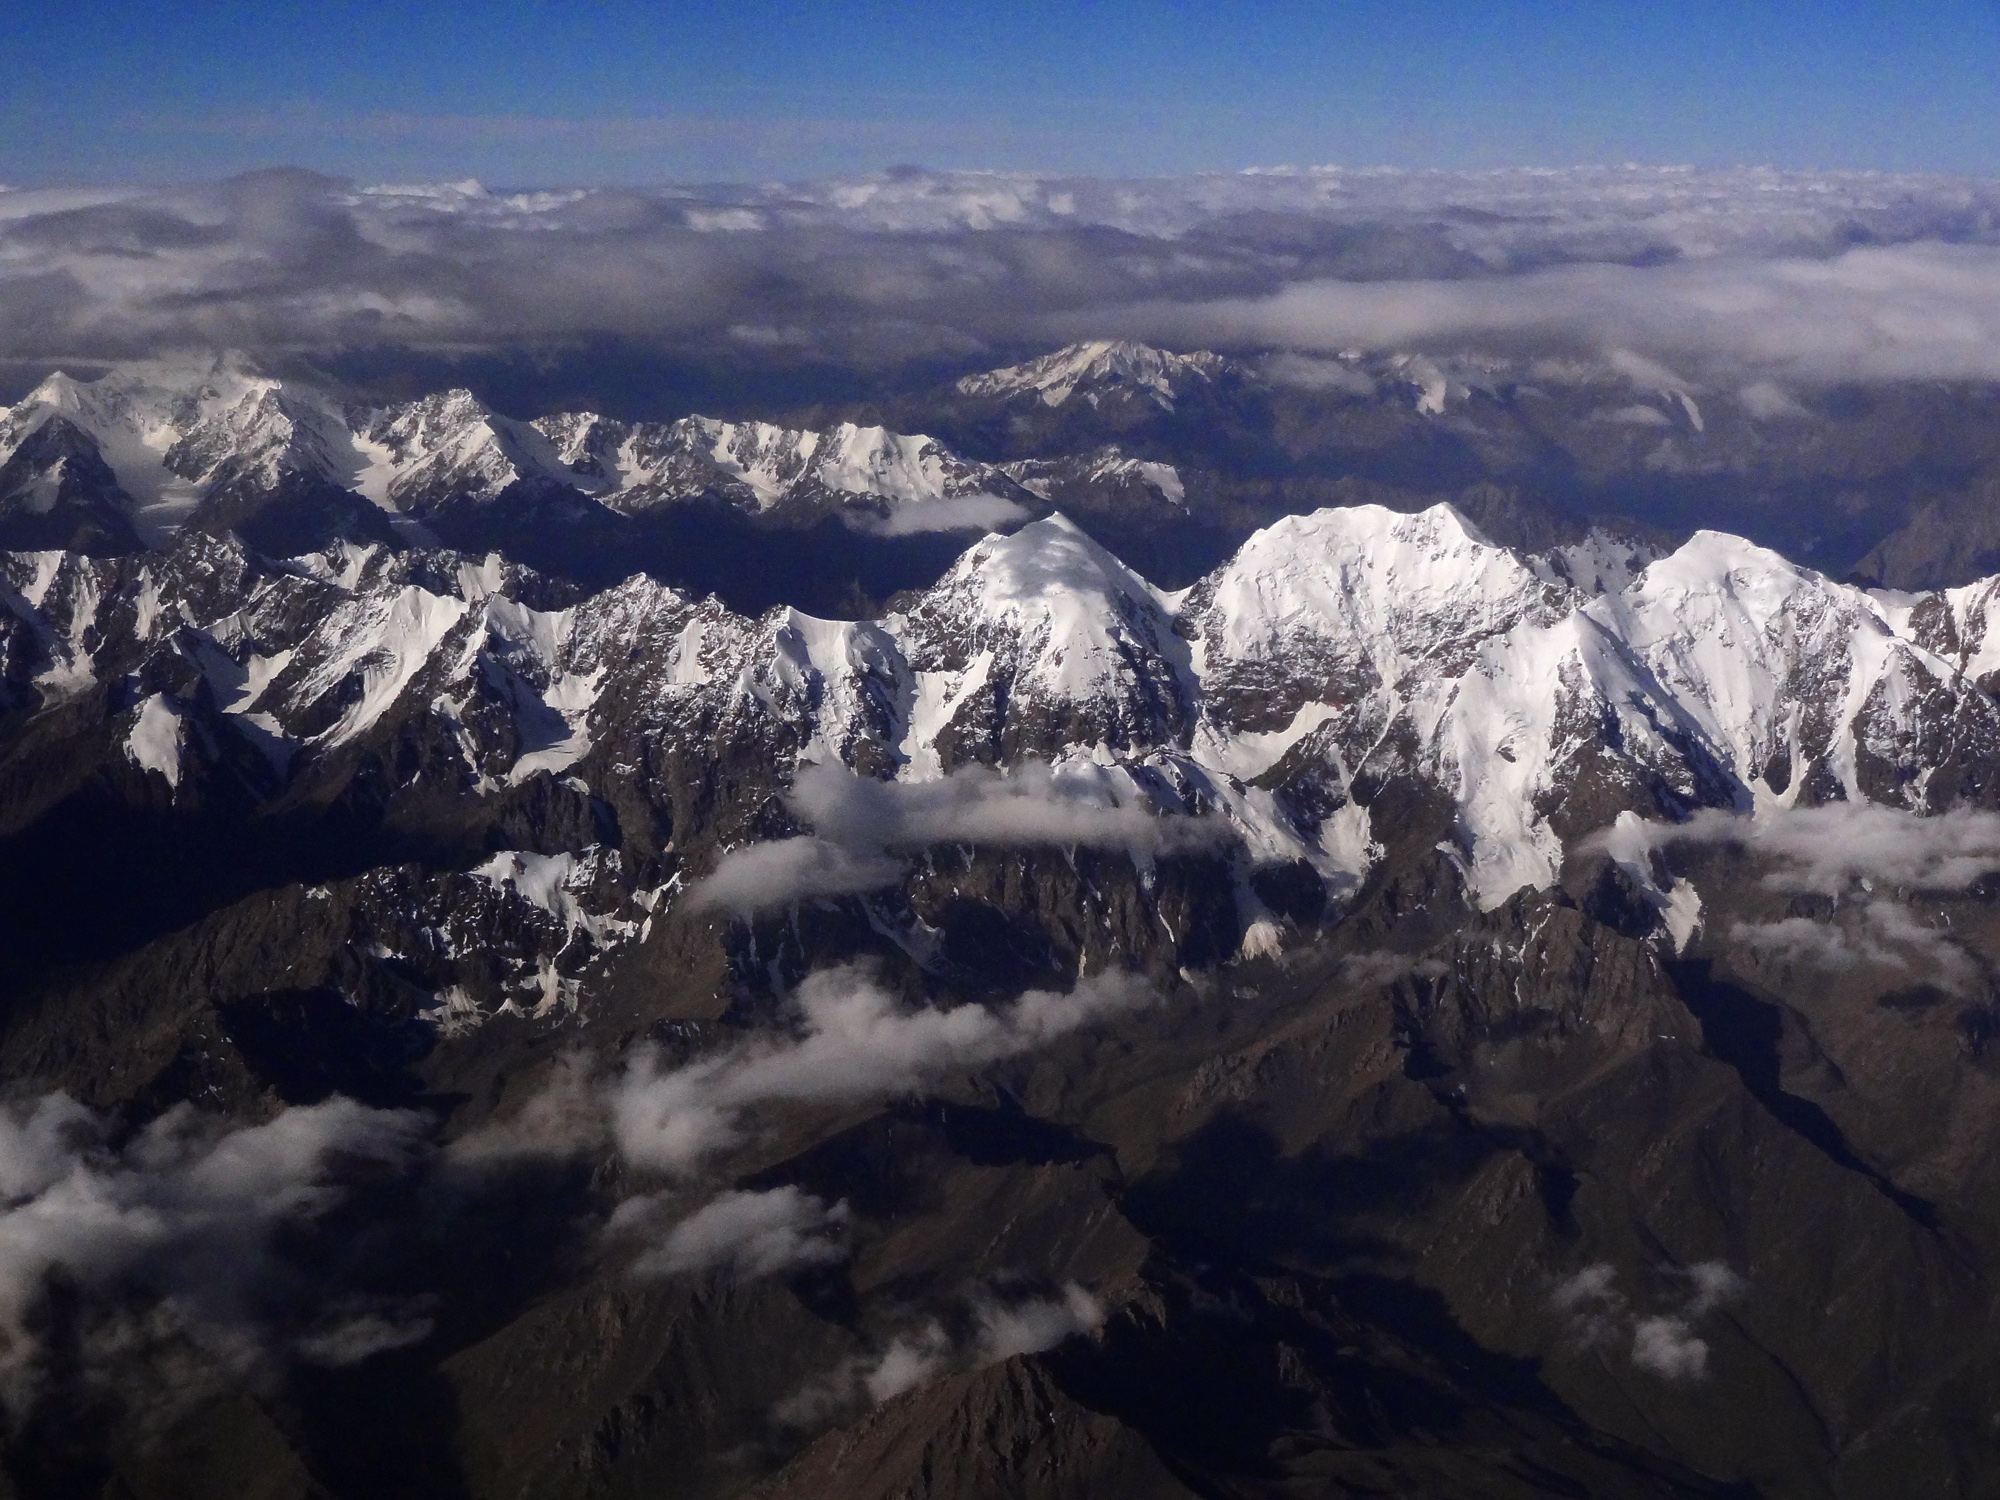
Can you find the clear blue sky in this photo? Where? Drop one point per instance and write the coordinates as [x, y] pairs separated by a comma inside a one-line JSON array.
[[519, 93]]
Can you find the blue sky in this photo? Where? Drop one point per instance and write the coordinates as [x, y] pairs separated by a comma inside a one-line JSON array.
[[524, 93]]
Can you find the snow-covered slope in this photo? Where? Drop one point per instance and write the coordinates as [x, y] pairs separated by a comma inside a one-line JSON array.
[[174, 436], [880, 480], [444, 447], [1037, 642], [1104, 470], [1091, 372], [172, 432]]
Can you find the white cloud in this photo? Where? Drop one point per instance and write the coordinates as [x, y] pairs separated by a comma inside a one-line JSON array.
[[564, 1116], [754, 1234], [1866, 856], [1878, 934], [763, 877], [1029, 1327], [167, 1240], [861, 824], [1832, 848], [1664, 1344], [1307, 373], [948, 513], [1667, 1347], [1001, 1330], [1591, 1304], [1903, 312], [1768, 401], [1714, 1284], [1747, 268], [855, 1042], [349, 1337], [906, 1362], [1028, 804]]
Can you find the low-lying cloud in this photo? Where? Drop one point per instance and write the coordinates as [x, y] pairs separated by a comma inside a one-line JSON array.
[[1869, 861], [1874, 934], [1662, 1343], [863, 829], [855, 1041], [165, 1244], [999, 1330], [1831, 850], [949, 513], [762, 877], [753, 1234], [846, 1040]]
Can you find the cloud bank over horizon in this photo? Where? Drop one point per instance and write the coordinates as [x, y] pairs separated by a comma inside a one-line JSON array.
[[1713, 274]]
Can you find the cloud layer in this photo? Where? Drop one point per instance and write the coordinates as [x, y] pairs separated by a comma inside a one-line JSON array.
[[1808, 275], [1906, 312]]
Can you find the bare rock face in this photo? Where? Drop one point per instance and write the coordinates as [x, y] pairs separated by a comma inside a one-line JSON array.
[[1010, 1430]]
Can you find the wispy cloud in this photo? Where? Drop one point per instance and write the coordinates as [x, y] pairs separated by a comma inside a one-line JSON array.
[[753, 1234], [1872, 860], [1831, 850], [855, 1041], [1001, 1329], [864, 827], [166, 1245], [1878, 934]]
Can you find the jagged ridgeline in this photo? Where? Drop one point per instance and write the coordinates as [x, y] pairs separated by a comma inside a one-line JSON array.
[[1392, 1009], [1171, 460]]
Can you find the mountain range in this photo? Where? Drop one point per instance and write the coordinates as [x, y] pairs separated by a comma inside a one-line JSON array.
[[1170, 459], [1479, 990]]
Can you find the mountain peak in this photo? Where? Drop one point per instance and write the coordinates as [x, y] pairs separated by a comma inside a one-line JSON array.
[[1051, 555], [1097, 368]]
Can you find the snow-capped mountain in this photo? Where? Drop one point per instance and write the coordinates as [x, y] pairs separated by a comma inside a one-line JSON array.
[[1104, 369], [1107, 470], [1522, 697], [880, 480], [153, 441], [138, 453]]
